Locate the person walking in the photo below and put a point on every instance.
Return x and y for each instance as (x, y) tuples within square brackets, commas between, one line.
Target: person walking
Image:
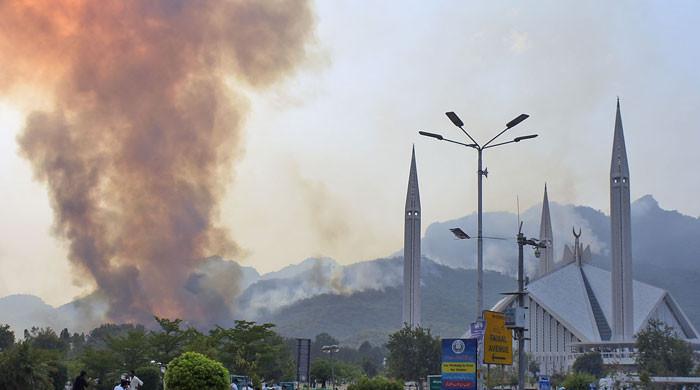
[(81, 382)]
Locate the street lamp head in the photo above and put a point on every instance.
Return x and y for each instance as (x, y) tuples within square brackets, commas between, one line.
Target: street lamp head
[(517, 120), (524, 137), (330, 348), (459, 234), (455, 119), (431, 135)]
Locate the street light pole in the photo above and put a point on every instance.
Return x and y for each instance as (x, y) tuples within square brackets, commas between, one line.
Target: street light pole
[(332, 372), (481, 173), (331, 349), (479, 242)]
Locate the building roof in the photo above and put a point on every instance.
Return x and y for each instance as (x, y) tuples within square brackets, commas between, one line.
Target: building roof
[(564, 294)]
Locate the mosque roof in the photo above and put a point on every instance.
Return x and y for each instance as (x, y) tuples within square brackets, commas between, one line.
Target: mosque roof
[(580, 298)]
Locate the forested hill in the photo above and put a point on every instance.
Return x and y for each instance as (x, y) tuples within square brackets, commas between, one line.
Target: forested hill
[(448, 305)]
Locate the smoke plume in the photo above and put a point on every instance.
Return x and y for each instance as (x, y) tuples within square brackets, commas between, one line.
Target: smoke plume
[(143, 128)]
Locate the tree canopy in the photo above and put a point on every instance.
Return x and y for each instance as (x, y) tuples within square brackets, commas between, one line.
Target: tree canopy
[(45, 357), (660, 352), (413, 354), (7, 337), (589, 363)]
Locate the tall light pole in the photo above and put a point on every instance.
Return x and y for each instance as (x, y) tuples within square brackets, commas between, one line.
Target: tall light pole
[(331, 349), (481, 173)]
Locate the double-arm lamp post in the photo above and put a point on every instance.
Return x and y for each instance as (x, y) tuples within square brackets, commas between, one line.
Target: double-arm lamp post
[(481, 173), (331, 349)]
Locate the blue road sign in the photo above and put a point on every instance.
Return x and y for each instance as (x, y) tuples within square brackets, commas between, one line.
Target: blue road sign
[(459, 364)]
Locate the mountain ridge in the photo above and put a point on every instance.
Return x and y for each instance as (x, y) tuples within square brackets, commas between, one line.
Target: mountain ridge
[(665, 254)]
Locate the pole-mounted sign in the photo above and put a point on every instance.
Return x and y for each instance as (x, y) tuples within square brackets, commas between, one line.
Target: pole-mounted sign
[(459, 364), (498, 342)]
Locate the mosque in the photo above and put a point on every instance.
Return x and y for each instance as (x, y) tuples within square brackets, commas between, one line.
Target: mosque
[(574, 307)]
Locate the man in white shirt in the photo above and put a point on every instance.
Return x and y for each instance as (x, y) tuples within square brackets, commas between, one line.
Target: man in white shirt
[(234, 384), (135, 382)]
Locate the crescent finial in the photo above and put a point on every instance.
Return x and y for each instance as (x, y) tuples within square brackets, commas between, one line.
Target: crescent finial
[(574, 231)]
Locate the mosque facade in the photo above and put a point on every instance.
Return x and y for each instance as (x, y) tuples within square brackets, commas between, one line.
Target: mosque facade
[(574, 307)]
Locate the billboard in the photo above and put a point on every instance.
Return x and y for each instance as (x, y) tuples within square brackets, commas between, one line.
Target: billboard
[(498, 342), (303, 359), (459, 364)]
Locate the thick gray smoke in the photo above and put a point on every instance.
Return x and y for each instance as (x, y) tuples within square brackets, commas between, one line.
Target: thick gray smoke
[(143, 131)]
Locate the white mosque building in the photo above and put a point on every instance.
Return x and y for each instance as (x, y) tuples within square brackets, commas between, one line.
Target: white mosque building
[(575, 307)]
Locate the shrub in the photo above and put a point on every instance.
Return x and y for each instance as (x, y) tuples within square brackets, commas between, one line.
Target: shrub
[(376, 383), (578, 381), (194, 371)]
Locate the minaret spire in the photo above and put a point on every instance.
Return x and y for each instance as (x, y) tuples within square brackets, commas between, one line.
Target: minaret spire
[(621, 232), (411, 249), (547, 259)]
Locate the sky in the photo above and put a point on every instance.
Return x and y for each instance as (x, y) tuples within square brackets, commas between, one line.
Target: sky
[(327, 150)]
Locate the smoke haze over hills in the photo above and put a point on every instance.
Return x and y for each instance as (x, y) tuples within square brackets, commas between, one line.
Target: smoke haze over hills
[(325, 296)]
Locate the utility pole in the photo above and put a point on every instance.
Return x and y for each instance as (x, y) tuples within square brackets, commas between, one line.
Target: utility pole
[(519, 330)]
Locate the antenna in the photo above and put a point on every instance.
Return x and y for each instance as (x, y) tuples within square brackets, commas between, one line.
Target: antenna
[(517, 204)]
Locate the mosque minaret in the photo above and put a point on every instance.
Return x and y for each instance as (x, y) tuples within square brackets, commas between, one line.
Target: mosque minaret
[(411, 250), (621, 231)]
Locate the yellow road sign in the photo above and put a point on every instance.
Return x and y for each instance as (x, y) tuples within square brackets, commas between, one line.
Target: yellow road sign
[(498, 343)]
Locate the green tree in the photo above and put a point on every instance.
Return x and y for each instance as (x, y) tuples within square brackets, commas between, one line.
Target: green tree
[(377, 383), (347, 372), (370, 368), (130, 350), (371, 358), (660, 352), (102, 364), (7, 337), (98, 337), (194, 371), (45, 338), (578, 381), (22, 368), (58, 372), (202, 343), (324, 370), (413, 354), (150, 376), (320, 370), (276, 362), (254, 349), (169, 341), (589, 363)]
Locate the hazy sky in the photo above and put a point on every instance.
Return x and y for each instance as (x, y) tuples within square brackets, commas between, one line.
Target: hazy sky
[(327, 152)]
